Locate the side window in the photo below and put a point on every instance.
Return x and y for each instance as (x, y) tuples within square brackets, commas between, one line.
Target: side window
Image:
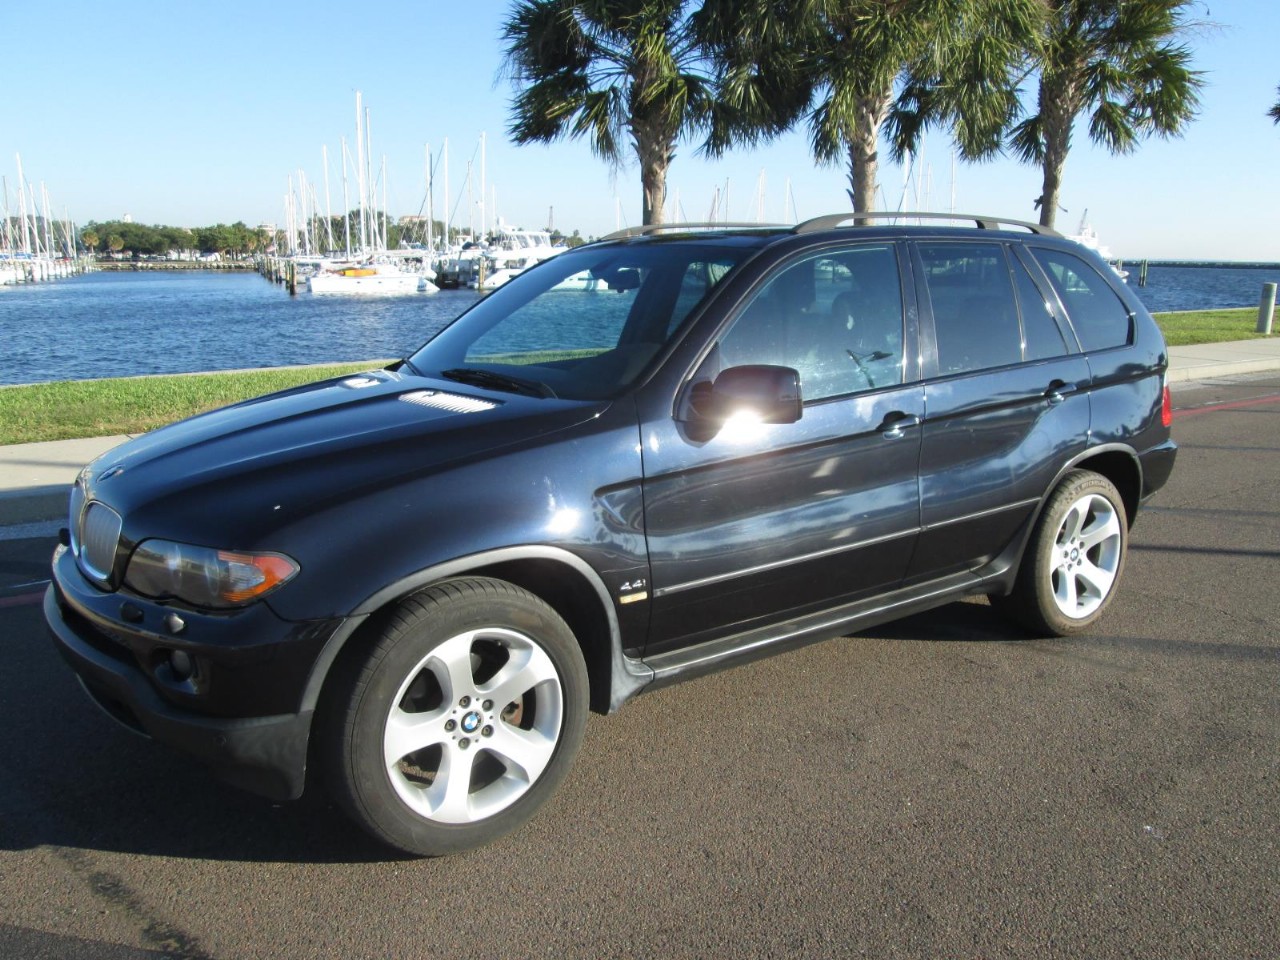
[(699, 279), (1041, 337), (974, 312), (836, 317), (1097, 313)]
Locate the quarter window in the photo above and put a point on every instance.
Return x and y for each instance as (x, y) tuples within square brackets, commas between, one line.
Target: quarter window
[(1041, 337), (1099, 316)]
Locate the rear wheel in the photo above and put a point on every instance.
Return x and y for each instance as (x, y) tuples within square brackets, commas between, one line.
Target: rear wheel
[(462, 720), (1073, 563)]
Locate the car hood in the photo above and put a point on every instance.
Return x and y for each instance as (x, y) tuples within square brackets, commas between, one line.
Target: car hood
[(231, 476)]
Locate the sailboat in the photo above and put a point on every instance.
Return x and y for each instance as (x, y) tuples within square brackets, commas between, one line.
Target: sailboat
[(374, 270)]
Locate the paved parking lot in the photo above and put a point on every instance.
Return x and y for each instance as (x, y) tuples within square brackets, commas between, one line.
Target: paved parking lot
[(943, 787)]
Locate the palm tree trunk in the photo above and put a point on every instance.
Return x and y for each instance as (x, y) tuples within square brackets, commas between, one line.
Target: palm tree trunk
[(864, 158), (653, 181), (653, 150), (1057, 114)]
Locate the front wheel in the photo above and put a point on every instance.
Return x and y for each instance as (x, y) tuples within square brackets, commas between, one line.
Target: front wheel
[(462, 720), (1073, 564)]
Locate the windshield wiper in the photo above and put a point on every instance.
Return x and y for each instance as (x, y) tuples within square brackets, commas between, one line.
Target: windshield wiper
[(500, 381)]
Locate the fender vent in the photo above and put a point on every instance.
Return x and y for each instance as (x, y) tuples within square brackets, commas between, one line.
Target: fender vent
[(453, 402)]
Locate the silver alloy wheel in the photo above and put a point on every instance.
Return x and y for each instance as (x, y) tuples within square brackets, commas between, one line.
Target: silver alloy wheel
[(487, 736), (1087, 552)]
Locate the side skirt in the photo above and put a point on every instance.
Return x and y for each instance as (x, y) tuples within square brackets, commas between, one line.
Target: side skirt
[(679, 665)]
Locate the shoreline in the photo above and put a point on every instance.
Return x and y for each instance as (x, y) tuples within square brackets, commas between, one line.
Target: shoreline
[(130, 266)]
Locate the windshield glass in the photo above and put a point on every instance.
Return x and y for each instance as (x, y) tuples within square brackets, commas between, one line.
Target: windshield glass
[(583, 325)]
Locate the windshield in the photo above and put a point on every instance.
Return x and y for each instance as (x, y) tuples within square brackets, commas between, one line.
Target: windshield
[(583, 325)]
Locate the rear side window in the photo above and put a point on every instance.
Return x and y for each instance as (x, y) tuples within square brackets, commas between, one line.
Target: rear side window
[(1099, 316), (975, 315)]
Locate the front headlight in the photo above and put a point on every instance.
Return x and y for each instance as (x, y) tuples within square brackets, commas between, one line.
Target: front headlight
[(204, 577)]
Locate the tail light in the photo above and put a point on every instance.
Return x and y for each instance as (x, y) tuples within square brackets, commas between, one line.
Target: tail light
[(1166, 403)]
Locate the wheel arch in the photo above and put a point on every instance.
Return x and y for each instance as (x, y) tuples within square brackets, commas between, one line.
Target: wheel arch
[(1116, 461), (1120, 465), (561, 579)]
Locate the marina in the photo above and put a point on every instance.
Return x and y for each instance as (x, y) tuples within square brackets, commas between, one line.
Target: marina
[(117, 324)]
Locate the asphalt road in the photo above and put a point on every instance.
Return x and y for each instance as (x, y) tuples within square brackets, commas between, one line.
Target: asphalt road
[(944, 787)]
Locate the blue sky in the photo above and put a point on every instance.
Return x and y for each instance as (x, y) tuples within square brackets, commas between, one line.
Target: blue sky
[(191, 113)]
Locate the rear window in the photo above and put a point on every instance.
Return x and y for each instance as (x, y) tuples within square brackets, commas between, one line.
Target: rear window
[(1099, 316)]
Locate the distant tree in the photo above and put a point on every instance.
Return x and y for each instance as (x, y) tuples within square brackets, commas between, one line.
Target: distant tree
[(115, 243), (1274, 112), (617, 72), (90, 239), (863, 70), (1123, 63)]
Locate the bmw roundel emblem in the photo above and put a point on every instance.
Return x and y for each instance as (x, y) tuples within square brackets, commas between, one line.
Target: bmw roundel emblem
[(471, 722)]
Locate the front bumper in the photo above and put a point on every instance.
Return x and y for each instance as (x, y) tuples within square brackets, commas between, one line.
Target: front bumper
[(243, 713)]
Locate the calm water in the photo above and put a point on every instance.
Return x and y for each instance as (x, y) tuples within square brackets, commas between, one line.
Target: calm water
[(121, 324)]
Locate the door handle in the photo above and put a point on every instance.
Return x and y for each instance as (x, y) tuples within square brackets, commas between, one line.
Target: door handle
[(891, 428), (1058, 391)]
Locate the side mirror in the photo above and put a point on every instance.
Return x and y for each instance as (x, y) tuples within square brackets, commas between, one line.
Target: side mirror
[(769, 393)]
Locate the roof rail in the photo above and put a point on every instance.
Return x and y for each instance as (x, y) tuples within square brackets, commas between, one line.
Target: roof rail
[(649, 228), (831, 221)]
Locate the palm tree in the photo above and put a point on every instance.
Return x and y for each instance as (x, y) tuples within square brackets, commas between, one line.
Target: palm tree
[(90, 239), (609, 70), (863, 70), (1120, 61), (1274, 112)]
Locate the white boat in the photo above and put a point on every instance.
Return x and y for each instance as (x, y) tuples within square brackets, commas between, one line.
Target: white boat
[(375, 278), (1088, 237), (514, 252)]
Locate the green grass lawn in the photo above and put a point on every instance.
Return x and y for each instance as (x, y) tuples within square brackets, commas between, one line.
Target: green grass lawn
[(1208, 326), (97, 408)]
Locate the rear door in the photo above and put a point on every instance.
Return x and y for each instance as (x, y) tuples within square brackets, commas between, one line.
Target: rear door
[(1006, 402)]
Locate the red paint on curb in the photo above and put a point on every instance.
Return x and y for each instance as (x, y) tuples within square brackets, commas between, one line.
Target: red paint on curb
[(1230, 405)]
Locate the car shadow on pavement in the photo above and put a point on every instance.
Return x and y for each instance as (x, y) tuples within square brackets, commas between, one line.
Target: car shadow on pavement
[(968, 620), (73, 778)]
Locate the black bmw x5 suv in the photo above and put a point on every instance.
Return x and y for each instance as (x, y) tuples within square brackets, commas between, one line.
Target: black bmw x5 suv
[(645, 459)]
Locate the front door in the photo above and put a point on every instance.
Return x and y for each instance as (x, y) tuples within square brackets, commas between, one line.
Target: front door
[(751, 523)]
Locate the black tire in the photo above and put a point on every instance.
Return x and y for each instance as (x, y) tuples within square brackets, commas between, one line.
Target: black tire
[(426, 684), (1073, 563)]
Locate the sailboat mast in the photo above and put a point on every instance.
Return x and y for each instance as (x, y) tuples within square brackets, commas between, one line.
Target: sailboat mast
[(346, 201), (431, 204), (328, 207), (369, 181), (22, 207), (360, 170)]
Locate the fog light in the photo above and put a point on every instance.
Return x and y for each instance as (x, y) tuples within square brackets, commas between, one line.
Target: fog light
[(181, 664)]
